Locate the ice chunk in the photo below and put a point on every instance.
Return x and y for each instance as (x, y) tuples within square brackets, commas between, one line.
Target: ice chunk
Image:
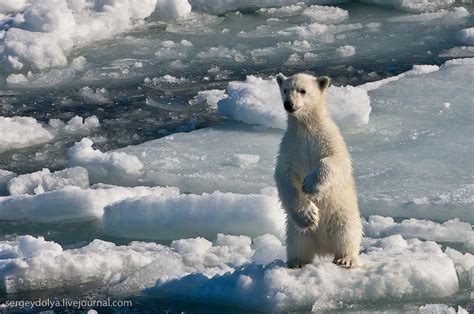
[(5, 177), (414, 5), (258, 101), (97, 96), (41, 79), (346, 51), (113, 168), (466, 36), (76, 125), (324, 14), (171, 9), (19, 132), (42, 181), (190, 215), (70, 203), (211, 97)]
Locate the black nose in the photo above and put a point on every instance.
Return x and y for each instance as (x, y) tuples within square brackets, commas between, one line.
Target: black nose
[(288, 106)]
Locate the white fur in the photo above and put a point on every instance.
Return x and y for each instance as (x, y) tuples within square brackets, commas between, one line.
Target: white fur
[(314, 178)]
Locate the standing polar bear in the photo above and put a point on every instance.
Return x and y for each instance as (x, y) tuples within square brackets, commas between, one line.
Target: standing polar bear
[(314, 178)]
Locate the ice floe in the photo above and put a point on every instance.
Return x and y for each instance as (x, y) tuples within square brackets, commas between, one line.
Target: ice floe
[(229, 270)]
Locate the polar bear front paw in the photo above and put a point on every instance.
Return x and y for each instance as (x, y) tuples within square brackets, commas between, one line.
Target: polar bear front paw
[(308, 218)]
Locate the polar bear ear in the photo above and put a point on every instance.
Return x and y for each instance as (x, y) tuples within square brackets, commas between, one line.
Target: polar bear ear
[(280, 78), (323, 82)]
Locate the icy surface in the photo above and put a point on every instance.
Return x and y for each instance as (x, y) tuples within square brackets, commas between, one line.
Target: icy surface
[(5, 177), (189, 215), (223, 271)]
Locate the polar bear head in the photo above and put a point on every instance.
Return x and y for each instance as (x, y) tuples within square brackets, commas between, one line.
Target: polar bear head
[(302, 93)]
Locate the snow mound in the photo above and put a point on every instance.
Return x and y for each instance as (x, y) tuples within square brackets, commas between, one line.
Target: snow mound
[(258, 101), (450, 231), (113, 168), (414, 5), (189, 215), (466, 36), (48, 30), (70, 203), (20, 132), (231, 270), (324, 14), (394, 268), (42, 181)]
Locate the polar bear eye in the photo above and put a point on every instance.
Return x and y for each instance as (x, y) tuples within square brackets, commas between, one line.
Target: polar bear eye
[(302, 91)]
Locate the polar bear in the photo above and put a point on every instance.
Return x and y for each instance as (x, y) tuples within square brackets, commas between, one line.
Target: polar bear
[(314, 178)]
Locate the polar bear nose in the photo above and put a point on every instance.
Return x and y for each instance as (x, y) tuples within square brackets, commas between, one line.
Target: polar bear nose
[(288, 106)]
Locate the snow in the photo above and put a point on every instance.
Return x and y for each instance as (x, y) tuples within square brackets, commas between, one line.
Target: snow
[(466, 36), (20, 132), (70, 203), (258, 101), (108, 167), (42, 181), (190, 215), (227, 271)]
